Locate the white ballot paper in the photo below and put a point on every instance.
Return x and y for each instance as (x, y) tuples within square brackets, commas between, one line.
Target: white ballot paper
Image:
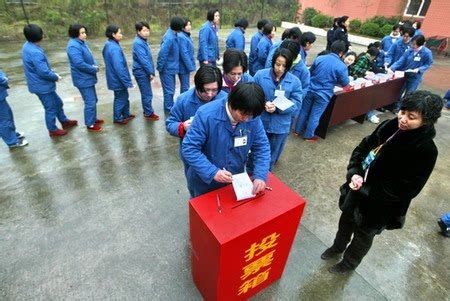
[(409, 71), (242, 186), (281, 102)]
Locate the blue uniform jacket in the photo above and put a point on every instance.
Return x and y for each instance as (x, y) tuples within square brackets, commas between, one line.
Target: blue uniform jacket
[(82, 63), (396, 51), (246, 78), (253, 45), (423, 60), (208, 43), (302, 73), (418, 32), (272, 50), (40, 77), (326, 72), (169, 53), (116, 68), (187, 60), (279, 122), (3, 86), (386, 43), (142, 58), (236, 39), (262, 52), (209, 146), (303, 54)]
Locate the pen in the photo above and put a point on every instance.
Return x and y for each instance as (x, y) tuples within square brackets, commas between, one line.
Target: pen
[(219, 206)]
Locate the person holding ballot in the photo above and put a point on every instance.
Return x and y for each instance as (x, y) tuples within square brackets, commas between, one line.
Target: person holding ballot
[(220, 138), (283, 97)]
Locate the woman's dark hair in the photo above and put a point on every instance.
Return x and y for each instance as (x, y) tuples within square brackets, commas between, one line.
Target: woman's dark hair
[(335, 22), (247, 98), (139, 25), (295, 33), (307, 37), (232, 58), (395, 27), (33, 33), (210, 14), (429, 105), (350, 53), (207, 74), (293, 46), (287, 54), (241, 23), (338, 47), (176, 23), (420, 40), (418, 24), (74, 30), (261, 23), (285, 34), (341, 22), (373, 51), (110, 30), (376, 44), (268, 28), (407, 29), (186, 20)]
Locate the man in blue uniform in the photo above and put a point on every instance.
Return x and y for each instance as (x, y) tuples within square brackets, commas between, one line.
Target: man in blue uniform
[(143, 69), (327, 71), (236, 39), (41, 81), (399, 47), (7, 127), (254, 44), (220, 138)]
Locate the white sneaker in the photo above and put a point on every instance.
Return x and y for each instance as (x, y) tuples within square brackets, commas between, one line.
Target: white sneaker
[(20, 135), (22, 143), (374, 119)]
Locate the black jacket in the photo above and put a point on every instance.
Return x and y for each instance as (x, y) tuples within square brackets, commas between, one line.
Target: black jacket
[(341, 34), (395, 177)]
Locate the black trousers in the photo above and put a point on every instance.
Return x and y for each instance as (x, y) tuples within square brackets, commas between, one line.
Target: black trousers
[(359, 245)]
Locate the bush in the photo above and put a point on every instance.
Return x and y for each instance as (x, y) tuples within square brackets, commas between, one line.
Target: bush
[(380, 20), (308, 14), (385, 30), (370, 29), (355, 25), (322, 21)]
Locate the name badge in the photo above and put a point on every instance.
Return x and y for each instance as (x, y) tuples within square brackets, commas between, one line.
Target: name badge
[(279, 93), (417, 59), (240, 141)]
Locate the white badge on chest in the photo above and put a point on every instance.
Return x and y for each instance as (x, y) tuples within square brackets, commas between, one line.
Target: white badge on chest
[(417, 58), (240, 141)]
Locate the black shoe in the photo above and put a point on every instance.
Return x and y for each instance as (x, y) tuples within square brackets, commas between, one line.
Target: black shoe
[(330, 253), (340, 268)]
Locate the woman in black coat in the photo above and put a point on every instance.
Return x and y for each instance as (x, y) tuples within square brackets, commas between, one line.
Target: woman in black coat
[(340, 33), (386, 171)]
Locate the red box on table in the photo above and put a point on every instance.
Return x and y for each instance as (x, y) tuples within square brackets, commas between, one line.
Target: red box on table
[(242, 247)]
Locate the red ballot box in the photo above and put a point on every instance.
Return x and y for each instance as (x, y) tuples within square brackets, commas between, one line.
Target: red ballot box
[(239, 248)]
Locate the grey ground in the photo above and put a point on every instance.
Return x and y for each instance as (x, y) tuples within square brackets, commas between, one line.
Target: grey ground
[(104, 216)]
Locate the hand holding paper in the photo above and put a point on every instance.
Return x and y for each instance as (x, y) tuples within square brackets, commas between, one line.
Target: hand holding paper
[(243, 186), (281, 102)]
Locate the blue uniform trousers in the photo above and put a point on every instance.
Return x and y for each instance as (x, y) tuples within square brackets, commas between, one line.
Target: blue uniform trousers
[(90, 104), (53, 106), (313, 107), (168, 85), (121, 105), (277, 143), (7, 127), (145, 88), (184, 81)]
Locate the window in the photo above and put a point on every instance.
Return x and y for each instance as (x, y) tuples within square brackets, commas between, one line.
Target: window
[(417, 7)]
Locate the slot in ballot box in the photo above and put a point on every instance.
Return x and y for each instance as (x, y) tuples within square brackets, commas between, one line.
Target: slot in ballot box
[(239, 248)]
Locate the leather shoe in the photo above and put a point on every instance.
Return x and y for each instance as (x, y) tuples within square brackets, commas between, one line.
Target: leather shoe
[(340, 268), (329, 253)]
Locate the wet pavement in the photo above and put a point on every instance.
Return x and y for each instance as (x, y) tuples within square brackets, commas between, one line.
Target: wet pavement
[(104, 215)]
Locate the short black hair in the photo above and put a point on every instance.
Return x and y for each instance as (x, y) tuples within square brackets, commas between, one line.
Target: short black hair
[(139, 25), (307, 37), (232, 58), (295, 33), (110, 30), (210, 14), (241, 23), (33, 33), (268, 28), (373, 51), (247, 98), (74, 30), (418, 24), (395, 27), (186, 21), (207, 74), (376, 44), (407, 29), (293, 46), (420, 40), (287, 54), (176, 23), (261, 23), (428, 104), (324, 52), (285, 34), (338, 47), (341, 22)]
